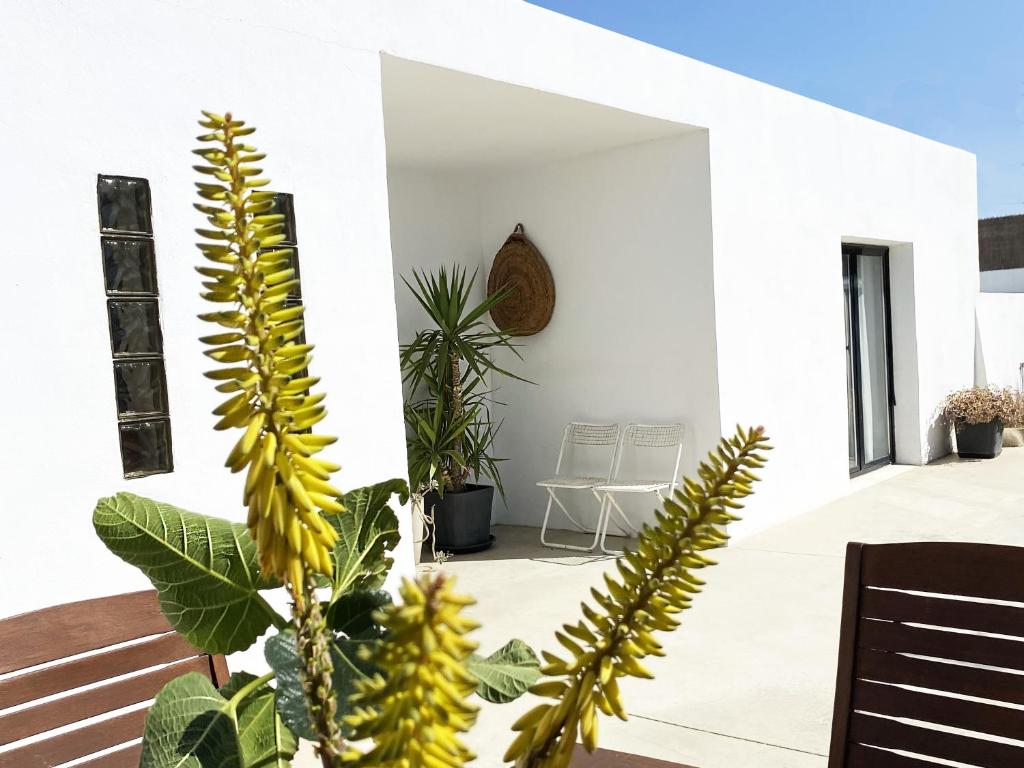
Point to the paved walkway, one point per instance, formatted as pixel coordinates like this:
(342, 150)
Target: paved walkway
(748, 680)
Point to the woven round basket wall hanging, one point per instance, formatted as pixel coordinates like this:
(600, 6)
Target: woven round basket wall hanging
(519, 264)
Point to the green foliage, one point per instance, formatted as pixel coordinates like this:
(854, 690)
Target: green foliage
(204, 569)
(283, 657)
(193, 725)
(366, 533)
(506, 674)
(655, 584)
(445, 369)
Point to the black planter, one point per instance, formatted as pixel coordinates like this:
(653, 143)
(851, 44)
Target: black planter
(462, 521)
(979, 441)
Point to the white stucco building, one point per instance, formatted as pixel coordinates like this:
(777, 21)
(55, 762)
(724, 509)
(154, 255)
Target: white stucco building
(694, 220)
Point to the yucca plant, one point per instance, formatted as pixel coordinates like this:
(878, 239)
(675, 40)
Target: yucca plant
(445, 370)
(372, 684)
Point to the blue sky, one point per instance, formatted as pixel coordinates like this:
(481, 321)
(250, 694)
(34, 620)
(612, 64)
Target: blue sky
(952, 70)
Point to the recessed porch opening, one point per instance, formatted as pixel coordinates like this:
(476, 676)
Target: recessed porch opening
(618, 204)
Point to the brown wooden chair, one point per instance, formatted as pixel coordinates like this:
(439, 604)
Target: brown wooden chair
(887, 627)
(66, 631)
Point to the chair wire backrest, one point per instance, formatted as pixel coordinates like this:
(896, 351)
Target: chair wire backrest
(584, 433)
(947, 620)
(653, 436)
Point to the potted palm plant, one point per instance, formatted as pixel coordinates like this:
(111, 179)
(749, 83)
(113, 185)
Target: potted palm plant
(445, 370)
(978, 415)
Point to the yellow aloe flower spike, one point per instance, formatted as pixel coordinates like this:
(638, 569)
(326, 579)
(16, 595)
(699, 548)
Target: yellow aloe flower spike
(416, 707)
(286, 486)
(653, 585)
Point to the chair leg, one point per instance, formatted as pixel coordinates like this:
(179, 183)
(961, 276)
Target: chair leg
(628, 530)
(555, 545)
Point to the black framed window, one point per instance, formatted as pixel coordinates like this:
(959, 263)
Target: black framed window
(128, 258)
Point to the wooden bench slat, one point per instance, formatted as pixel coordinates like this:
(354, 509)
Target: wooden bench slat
(80, 742)
(122, 758)
(106, 698)
(977, 649)
(44, 682)
(949, 568)
(66, 630)
(942, 612)
(885, 667)
(866, 757)
(880, 732)
(989, 719)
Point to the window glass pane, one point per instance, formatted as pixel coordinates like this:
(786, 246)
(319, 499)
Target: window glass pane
(134, 328)
(284, 203)
(129, 265)
(145, 447)
(140, 387)
(124, 204)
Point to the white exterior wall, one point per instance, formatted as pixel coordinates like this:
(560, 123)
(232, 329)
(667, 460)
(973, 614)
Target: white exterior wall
(1002, 281)
(791, 179)
(113, 87)
(1000, 349)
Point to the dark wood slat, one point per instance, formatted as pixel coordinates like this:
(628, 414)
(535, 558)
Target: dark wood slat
(606, 758)
(866, 757)
(949, 568)
(77, 743)
(66, 630)
(122, 758)
(92, 669)
(977, 649)
(942, 612)
(880, 732)
(989, 719)
(219, 670)
(847, 654)
(887, 667)
(105, 698)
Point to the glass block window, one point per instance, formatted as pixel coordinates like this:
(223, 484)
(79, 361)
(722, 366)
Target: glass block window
(124, 205)
(128, 259)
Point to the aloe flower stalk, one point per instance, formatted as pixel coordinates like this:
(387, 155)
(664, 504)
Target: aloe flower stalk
(416, 707)
(655, 583)
(286, 486)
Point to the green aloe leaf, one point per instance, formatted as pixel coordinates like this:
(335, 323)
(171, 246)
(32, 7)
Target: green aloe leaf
(204, 569)
(506, 674)
(283, 657)
(368, 530)
(193, 725)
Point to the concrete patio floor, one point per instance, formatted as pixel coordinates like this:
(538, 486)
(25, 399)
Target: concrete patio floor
(748, 680)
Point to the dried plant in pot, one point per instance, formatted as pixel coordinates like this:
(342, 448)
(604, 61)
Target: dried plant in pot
(978, 415)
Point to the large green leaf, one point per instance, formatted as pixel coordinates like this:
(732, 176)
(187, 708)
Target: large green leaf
(193, 725)
(353, 614)
(283, 657)
(204, 569)
(368, 530)
(507, 673)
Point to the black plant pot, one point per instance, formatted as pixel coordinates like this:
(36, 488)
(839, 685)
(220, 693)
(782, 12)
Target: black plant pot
(979, 441)
(462, 521)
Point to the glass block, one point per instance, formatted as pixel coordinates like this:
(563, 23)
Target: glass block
(129, 265)
(140, 387)
(285, 203)
(124, 204)
(145, 447)
(134, 328)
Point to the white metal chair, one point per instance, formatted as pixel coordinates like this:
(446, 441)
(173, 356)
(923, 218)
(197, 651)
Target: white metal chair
(578, 433)
(655, 436)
